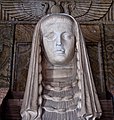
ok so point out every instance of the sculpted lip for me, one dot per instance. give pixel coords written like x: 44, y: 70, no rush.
x: 59, y: 52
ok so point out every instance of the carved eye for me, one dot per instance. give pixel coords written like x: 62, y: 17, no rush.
x: 67, y: 36
x: 51, y: 36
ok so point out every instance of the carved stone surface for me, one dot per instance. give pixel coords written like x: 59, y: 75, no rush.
x: 58, y: 41
x: 6, y: 38
x: 110, y: 14
x: 60, y: 83
x: 82, y: 10
x: 3, y: 92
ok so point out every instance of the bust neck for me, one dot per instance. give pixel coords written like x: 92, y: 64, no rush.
x: 59, y: 73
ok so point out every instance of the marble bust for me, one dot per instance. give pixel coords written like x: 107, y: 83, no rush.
x: 60, y: 83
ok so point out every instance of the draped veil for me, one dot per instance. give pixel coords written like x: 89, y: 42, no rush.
x: 32, y: 103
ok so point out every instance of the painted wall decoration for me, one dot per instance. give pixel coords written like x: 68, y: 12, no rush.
x: 109, y: 47
x: 27, y: 10
x: 23, y: 39
x: 94, y: 46
x: 6, y: 41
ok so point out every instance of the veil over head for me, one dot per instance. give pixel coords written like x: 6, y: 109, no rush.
x: 32, y: 103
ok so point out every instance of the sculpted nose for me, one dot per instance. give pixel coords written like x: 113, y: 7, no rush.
x: 59, y: 41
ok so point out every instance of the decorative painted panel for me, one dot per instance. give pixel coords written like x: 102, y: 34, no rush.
x: 32, y: 10
x: 6, y: 41
x: 95, y: 56
x: 24, y: 32
x: 109, y: 46
x: 22, y: 58
x: 91, y: 33
x: 23, y: 39
x: 110, y: 14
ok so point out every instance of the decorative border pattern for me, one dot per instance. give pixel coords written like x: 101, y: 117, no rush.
x: 26, y: 10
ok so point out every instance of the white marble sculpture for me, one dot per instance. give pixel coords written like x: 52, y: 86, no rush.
x: 60, y: 83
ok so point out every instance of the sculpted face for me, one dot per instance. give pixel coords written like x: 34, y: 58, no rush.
x: 58, y: 41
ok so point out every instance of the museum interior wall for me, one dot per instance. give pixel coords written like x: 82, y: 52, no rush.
x: 17, y: 22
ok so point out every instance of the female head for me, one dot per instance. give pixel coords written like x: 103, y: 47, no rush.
x: 58, y: 39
